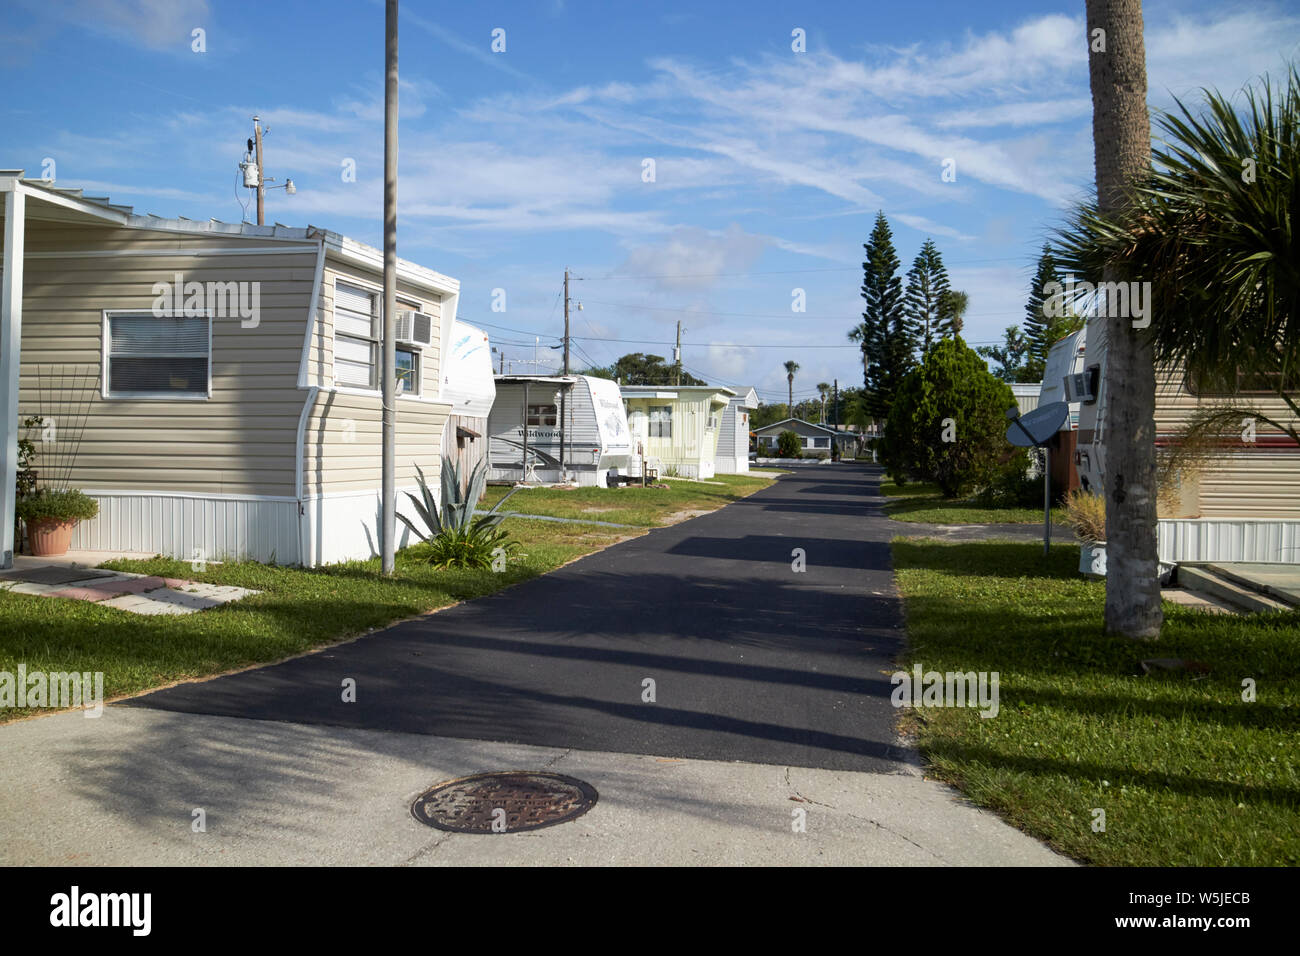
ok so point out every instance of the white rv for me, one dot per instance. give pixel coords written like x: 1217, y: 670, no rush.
x: 468, y: 385
x: 552, y: 428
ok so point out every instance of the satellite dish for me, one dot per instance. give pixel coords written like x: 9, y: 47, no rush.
x: 1038, y: 427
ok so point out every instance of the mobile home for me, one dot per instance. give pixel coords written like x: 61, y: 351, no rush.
x: 1242, y: 503
x: 554, y: 428
x: 733, y: 437
x: 468, y: 386
x: 678, y: 425
x: 233, y: 409
x: 815, y: 440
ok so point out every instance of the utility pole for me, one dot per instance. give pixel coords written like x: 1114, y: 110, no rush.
x: 566, y: 321
x: 254, y: 174
x: 261, y: 178
x: 835, y: 405
x: 564, y: 391
x: 677, y: 356
x: 388, y: 379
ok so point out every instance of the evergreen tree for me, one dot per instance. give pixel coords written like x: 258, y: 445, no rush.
x: 1010, y: 356
x: 927, y: 298
x: 1039, y: 328
x: 884, y: 334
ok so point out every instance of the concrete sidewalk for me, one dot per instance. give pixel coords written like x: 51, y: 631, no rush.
x: 122, y: 789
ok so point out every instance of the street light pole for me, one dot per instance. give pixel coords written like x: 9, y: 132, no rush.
x: 388, y: 378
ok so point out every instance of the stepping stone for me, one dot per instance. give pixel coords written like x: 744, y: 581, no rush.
x: 102, y: 591
x: 147, y: 604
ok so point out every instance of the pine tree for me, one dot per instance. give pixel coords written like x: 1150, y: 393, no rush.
x: 927, y: 294
x: 884, y: 334
x: 1039, y: 328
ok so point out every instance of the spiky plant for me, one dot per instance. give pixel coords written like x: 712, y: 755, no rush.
x: 456, y: 537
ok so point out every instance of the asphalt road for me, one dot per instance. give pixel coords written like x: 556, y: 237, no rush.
x: 751, y: 660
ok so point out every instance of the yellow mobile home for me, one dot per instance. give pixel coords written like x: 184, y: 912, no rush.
x: 678, y: 425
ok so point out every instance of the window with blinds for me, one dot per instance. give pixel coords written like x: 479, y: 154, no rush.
x: 661, y: 421
x: 150, y: 357
x: 356, y: 336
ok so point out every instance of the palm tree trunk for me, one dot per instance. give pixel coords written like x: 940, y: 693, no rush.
x: 1121, y: 132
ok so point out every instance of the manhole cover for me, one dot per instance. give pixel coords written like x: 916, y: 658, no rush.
x: 506, y: 802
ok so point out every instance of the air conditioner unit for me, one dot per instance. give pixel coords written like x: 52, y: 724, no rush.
x: 1082, y: 386
x: 414, y: 328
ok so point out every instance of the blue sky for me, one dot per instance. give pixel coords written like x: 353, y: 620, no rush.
x: 769, y: 164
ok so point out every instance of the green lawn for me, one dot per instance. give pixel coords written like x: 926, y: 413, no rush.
x: 299, y: 610
x: 631, y: 504
x: 923, y: 502
x: 1187, y: 773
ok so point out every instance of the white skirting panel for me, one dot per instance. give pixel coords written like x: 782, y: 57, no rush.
x: 182, y: 526
x: 344, y: 526
x: 733, y: 466
x: 1230, y: 539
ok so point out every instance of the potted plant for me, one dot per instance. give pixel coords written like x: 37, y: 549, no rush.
x: 1086, y: 514
x: 50, y: 517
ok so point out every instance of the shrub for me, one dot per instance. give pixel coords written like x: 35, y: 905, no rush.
x: 68, y: 505
x: 789, y: 445
x: 1086, y: 514
x: 1012, y: 485
x: 952, y: 383
x: 458, y: 539
x: 472, y: 547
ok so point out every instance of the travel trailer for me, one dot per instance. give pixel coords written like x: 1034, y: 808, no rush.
x: 1240, y: 503
x: 557, y: 428
x: 468, y: 386
x: 227, y: 377
x: 1065, y: 361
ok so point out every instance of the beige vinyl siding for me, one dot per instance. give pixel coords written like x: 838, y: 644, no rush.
x: 239, y: 441
x: 691, y: 440
x: 320, y: 355
x: 1258, y: 482
x: 342, y: 442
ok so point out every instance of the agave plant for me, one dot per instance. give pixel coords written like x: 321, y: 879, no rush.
x: 459, y: 539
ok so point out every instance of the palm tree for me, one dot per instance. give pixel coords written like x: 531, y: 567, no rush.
x: 952, y: 312
x: 1121, y: 135
x: 860, y: 334
x: 790, y: 369
x: 823, y: 389
x: 1209, y: 219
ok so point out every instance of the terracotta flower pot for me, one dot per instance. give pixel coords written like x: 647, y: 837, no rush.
x: 49, y: 537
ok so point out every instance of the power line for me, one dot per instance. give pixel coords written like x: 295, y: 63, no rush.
x: 757, y: 315
x: 777, y: 272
